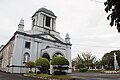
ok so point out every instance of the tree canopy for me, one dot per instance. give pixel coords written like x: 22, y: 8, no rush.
x: 113, y: 6
x: 108, y: 59
x: 43, y: 64
x: 60, y: 63
x: 30, y: 64
x: 59, y: 60
x: 84, y: 60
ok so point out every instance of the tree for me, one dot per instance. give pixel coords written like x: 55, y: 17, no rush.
x: 113, y: 6
x: 43, y: 64
x: 108, y: 59
x: 98, y: 64
x: 30, y: 64
x: 88, y: 59
x: 84, y: 60
x: 60, y: 63
x: 78, y: 62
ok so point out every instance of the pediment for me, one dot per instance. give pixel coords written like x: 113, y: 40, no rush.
x: 48, y: 37
x: 53, y: 38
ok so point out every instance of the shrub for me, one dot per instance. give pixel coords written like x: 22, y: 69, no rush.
x: 30, y: 72
x: 38, y: 72
x: 59, y: 60
x: 83, y: 69
x: 43, y: 64
x: 57, y: 73
x: 30, y: 64
x: 63, y: 73
x: 60, y: 63
x: 94, y: 71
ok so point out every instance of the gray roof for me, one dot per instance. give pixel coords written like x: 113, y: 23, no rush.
x: 41, y: 36
x: 45, y: 11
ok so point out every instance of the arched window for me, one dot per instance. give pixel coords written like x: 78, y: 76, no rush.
x: 26, y: 57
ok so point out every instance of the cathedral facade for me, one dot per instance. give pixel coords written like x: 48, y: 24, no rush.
x: 41, y: 41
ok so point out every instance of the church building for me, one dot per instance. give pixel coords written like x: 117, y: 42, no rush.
x: 41, y: 41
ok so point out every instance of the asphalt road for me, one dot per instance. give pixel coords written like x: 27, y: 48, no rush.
x: 95, y: 76
x: 77, y: 76
x: 8, y: 76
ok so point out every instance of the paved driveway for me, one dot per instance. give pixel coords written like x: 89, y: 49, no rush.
x: 78, y: 76
x: 95, y: 76
x: 7, y: 76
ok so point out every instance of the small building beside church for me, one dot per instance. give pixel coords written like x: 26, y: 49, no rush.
x: 41, y: 41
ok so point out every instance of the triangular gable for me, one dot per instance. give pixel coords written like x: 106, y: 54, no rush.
x: 51, y: 37
x: 47, y: 37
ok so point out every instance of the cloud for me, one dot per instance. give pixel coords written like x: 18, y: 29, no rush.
x: 84, y: 20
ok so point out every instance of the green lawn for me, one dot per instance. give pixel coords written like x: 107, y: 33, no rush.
x: 46, y: 76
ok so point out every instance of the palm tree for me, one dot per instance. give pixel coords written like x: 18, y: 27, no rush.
x: 88, y: 59
x: 84, y: 60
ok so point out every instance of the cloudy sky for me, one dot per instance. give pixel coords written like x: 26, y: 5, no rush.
x: 84, y: 20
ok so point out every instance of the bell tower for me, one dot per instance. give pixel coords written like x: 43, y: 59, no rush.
x: 44, y: 21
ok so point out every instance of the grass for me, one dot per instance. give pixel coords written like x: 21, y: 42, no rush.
x: 90, y: 71
x: 94, y: 70
x: 47, y: 76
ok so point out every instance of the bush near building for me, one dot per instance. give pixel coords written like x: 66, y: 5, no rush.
x: 42, y: 64
x: 83, y: 69
x: 60, y: 63
x: 30, y: 64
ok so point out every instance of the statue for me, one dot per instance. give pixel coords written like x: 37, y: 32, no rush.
x: 116, y: 67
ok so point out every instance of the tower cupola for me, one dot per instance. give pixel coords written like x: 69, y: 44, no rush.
x: 67, y: 38
x: 21, y: 25
x: 44, y: 20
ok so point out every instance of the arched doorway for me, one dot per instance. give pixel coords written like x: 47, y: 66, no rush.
x: 45, y: 55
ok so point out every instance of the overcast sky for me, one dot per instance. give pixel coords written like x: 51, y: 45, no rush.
x: 84, y: 20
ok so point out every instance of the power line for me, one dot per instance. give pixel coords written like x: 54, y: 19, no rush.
x: 95, y: 46
x: 97, y: 1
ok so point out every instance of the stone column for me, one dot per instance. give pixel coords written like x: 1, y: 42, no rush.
x: 51, y: 69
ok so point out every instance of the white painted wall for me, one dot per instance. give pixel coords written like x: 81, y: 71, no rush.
x: 38, y: 45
